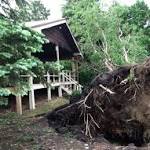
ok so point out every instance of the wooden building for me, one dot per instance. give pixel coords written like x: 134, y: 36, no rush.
x: 61, y: 45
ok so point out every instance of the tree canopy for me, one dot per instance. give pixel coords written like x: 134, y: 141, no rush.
x: 17, y: 46
x: 108, y: 38
x: 25, y: 10
x: 35, y: 10
x: 17, y: 43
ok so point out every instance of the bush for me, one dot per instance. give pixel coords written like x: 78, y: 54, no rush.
x: 17, y: 43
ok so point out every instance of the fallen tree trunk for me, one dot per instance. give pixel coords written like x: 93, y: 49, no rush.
x: 116, y: 104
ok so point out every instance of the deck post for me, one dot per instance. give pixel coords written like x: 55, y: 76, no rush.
x: 58, y: 57
x: 77, y: 71
x: 48, y: 88
x: 49, y: 93
x: 19, y: 104
x: 59, y: 91
x: 58, y: 61
x: 69, y: 86
x: 31, y: 94
x: 74, y: 87
x: 63, y: 77
x: 73, y: 69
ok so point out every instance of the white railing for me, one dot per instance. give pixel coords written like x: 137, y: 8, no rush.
x: 52, y: 78
x: 65, y: 79
x: 68, y: 78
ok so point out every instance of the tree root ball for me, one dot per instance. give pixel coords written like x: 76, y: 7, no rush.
x: 116, y: 104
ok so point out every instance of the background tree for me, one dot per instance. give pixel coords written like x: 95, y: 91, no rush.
x: 25, y: 11
x: 7, y: 9
x: 21, y: 3
x: 17, y: 43
x: 35, y: 10
x: 138, y: 19
x: 105, y: 37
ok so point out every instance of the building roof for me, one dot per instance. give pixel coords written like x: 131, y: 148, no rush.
x: 58, y: 33
x: 43, y: 24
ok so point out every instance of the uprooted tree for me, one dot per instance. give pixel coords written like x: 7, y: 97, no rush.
x: 115, y: 104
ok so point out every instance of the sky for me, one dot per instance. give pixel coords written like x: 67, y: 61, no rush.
x: 55, y: 6
x: 128, y: 2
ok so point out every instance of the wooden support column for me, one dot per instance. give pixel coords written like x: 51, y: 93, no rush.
x: 58, y: 61
x: 57, y: 55
x: 73, y: 69
x: 73, y: 73
x: 69, y: 86
x: 77, y: 70
x: 31, y: 94
x: 19, y: 105
x: 48, y: 88
x: 49, y: 93
x: 59, y: 91
x: 63, y: 77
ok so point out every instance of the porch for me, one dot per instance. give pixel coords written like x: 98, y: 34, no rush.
x: 64, y: 81
x: 61, y: 45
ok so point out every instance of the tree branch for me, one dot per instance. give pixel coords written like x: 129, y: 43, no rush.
x: 125, y: 52
x: 108, y: 61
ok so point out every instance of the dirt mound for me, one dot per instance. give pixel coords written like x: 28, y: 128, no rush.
x: 115, y: 104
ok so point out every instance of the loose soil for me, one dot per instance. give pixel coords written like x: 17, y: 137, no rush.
x: 28, y: 132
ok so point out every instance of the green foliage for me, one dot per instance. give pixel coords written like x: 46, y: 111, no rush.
x: 67, y: 65
x: 76, y: 93
x: 17, y: 43
x: 21, y: 3
x: 85, y: 74
x: 83, y: 16
x: 7, y: 9
x: 137, y: 15
x: 3, y: 101
x: 35, y: 10
x: 26, y: 10
x: 53, y: 66
x: 137, y: 18
x: 108, y: 38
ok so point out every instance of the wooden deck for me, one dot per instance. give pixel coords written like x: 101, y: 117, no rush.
x: 57, y: 84
x: 65, y: 81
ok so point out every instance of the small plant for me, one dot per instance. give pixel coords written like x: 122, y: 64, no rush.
x: 76, y: 93
x: 3, y: 101
x: 75, y: 96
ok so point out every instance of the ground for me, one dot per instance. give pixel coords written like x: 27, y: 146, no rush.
x: 31, y: 132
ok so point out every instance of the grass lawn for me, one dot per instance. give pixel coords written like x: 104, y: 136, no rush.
x: 44, y: 107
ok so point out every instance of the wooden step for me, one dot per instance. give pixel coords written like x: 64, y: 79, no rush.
x: 67, y: 90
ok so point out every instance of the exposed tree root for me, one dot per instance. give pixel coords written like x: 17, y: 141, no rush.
x: 116, y: 104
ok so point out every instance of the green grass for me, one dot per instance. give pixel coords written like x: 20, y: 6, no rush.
x: 45, y: 107
x: 11, y: 119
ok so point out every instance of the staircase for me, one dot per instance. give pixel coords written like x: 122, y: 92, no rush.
x: 72, y: 85
x: 67, y: 90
